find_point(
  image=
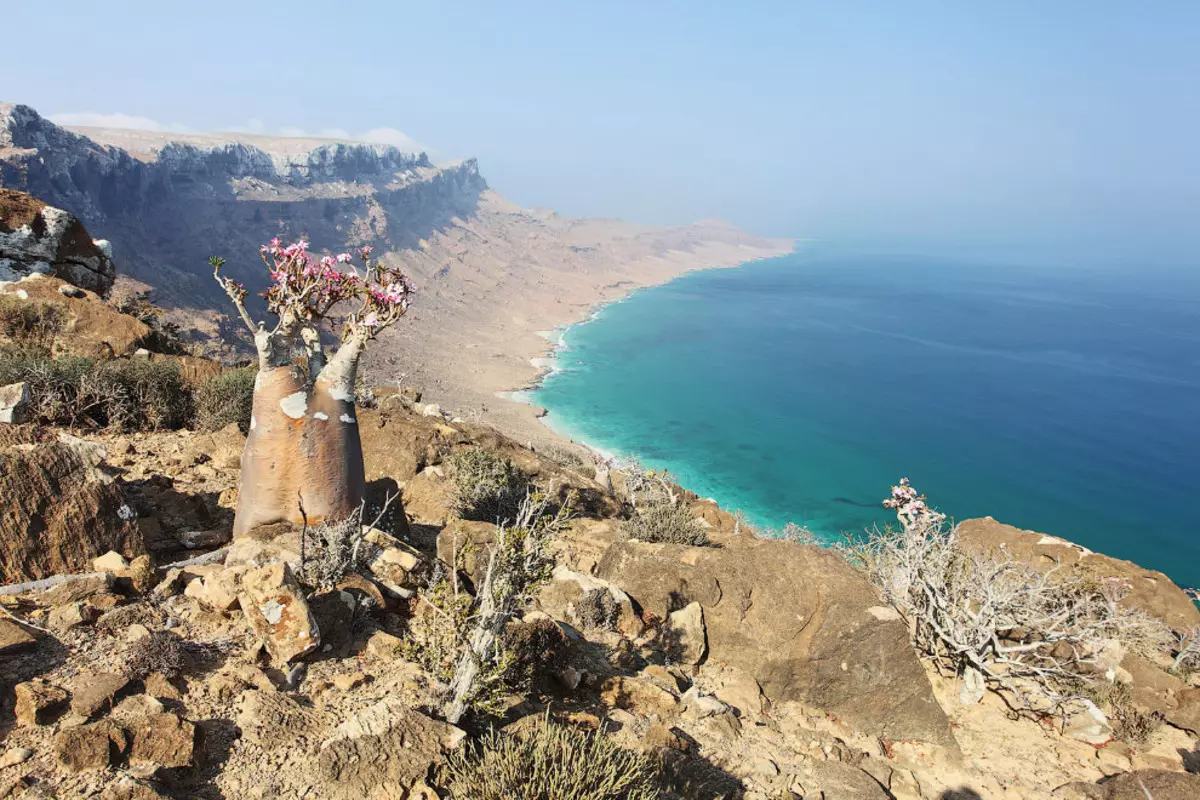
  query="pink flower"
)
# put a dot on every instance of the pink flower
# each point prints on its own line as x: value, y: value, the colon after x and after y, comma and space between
x: 372, y: 320
x: 275, y: 242
x: 343, y: 258
x: 365, y: 252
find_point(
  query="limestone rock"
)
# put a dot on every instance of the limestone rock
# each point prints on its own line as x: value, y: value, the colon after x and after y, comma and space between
x: 61, y: 510
x: 218, y: 590
x: 65, y: 617
x: 396, y: 566
x: 37, y: 238
x: 127, y: 788
x: 15, y: 406
x: 427, y: 497
x: 563, y: 597
x: 38, y: 702
x: 14, y: 638
x: 796, y: 619
x: 734, y: 687
x: 834, y: 779
x: 17, y: 755
x: 270, y: 719
x: 1152, y: 592
x: 1089, y: 725
x: 684, y: 635
x: 93, y: 692
x: 112, y: 561
x: 141, y: 575
x: 1139, y: 785
x: 386, y: 744
x: 638, y: 696
x: 275, y: 607
x: 90, y: 747
x: 78, y: 589
x: 164, y: 740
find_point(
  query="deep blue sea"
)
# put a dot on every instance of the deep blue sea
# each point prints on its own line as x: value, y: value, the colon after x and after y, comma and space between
x: 801, y: 388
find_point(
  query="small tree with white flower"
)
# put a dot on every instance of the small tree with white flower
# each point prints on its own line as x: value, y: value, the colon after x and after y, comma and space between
x: 303, y: 456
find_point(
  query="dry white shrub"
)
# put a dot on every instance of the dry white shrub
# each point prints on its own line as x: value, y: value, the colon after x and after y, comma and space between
x: 995, y: 622
x: 1187, y: 650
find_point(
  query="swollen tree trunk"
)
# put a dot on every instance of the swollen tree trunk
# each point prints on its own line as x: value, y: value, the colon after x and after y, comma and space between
x: 303, y: 450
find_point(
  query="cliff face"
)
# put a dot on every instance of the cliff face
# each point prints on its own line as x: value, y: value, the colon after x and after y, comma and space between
x: 169, y: 209
x: 488, y: 274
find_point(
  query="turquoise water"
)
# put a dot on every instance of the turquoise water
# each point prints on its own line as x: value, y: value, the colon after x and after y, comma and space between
x: 801, y: 388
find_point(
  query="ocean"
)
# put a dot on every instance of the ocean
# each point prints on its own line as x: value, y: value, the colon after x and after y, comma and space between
x: 801, y: 388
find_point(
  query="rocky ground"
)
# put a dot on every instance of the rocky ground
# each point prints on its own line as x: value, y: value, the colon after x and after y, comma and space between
x: 146, y: 653
x: 791, y: 676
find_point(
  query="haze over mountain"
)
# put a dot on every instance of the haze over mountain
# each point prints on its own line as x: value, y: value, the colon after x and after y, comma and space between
x: 1057, y: 132
x: 488, y: 273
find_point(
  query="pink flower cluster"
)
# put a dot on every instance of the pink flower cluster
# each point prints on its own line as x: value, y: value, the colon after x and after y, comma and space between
x: 309, y: 287
x: 911, y: 508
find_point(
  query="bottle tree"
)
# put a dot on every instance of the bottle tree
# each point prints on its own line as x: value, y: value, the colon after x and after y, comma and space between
x: 303, y: 449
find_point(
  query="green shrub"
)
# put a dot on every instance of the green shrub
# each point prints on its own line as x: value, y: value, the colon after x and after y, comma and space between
x: 122, y: 394
x: 487, y: 487
x: 552, y: 762
x: 226, y: 398
x: 666, y: 523
x: 30, y: 322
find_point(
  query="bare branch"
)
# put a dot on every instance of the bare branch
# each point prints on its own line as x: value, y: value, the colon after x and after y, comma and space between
x: 236, y: 292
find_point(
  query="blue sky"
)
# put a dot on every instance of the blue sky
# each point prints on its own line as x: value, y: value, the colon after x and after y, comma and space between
x: 1067, y: 128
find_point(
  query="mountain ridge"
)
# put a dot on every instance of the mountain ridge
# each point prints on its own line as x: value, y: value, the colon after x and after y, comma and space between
x: 488, y: 274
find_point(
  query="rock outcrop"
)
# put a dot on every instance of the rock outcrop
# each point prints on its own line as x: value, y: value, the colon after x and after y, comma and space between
x: 1151, y: 591
x: 799, y: 619
x: 60, y: 508
x: 36, y: 238
x: 227, y: 196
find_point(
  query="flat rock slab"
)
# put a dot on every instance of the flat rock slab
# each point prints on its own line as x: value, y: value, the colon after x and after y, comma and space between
x: 797, y: 619
x: 386, y: 744
x: 14, y: 638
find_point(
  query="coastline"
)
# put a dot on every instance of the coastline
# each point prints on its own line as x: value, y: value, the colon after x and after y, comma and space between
x: 547, y: 362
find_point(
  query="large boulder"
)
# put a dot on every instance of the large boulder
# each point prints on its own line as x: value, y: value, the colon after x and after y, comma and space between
x: 61, y: 509
x: 89, y: 326
x: 1152, y: 592
x: 799, y: 619
x: 274, y: 604
x: 37, y: 238
x: 383, y: 751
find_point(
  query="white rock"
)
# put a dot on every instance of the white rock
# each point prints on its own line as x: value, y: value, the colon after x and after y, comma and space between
x: 112, y: 561
x: 15, y: 403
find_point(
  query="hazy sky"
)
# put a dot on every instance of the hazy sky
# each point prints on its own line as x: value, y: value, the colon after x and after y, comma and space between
x: 1039, y: 126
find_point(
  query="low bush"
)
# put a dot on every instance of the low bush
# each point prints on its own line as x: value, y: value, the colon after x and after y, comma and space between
x: 472, y: 641
x: 551, y: 762
x: 665, y: 523
x: 162, y: 652
x: 487, y: 487
x: 30, y: 322
x: 122, y: 394
x: 226, y: 398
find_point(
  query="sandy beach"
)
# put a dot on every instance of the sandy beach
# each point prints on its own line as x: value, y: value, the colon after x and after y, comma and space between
x: 489, y: 289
